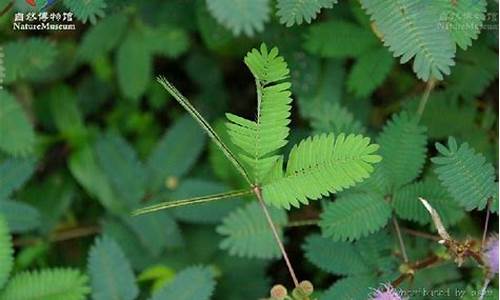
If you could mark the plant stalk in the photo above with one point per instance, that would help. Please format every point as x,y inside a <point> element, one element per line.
<point>485,230</point>
<point>400,239</point>
<point>425,97</point>
<point>258,194</point>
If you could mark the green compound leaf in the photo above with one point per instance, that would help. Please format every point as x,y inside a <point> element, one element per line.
<point>352,288</point>
<point>133,61</point>
<point>2,66</point>
<point>166,40</point>
<point>110,272</point>
<point>296,11</point>
<point>247,233</point>
<point>103,37</point>
<point>26,58</point>
<point>191,283</point>
<point>20,216</point>
<point>465,174</point>
<point>334,257</point>
<point>88,10</point>
<point>319,166</point>
<point>411,29</point>
<point>369,72</point>
<point>184,139</point>
<point>53,284</point>
<point>259,140</point>
<point>354,215</point>
<point>408,207</point>
<point>339,39</point>
<point>403,147</point>
<point>14,172</point>
<point>17,136</point>
<point>463,19</point>
<point>6,251</point>
<point>242,16</point>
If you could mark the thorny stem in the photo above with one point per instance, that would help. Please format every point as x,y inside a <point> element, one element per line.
<point>258,194</point>
<point>425,97</point>
<point>400,239</point>
<point>485,230</point>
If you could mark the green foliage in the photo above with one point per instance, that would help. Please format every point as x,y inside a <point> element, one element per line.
<point>53,284</point>
<point>259,139</point>
<point>28,57</point>
<point>463,19</point>
<point>296,11</point>
<point>411,29</point>
<point>88,10</point>
<point>405,160</point>
<point>16,132</point>
<point>355,288</point>
<point>6,252</point>
<point>354,215</point>
<point>110,272</point>
<point>184,139</point>
<point>14,173</point>
<point>247,17</point>
<point>133,61</point>
<point>20,216</point>
<point>337,119</point>
<point>103,37</point>
<point>408,207</point>
<point>191,283</point>
<point>369,71</point>
<point>247,233</point>
<point>465,174</point>
<point>338,39</point>
<point>318,166</point>
<point>122,167</point>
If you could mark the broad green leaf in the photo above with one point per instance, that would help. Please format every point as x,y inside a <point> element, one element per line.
<point>20,216</point>
<point>191,283</point>
<point>14,172</point>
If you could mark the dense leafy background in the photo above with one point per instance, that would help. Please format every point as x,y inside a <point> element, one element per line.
<point>87,135</point>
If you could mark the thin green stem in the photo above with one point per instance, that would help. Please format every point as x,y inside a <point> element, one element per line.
<point>190,201</point>
<point>206,126</point>
<point>486,223</point>
<point>258,194</point>
<point>425,97</point>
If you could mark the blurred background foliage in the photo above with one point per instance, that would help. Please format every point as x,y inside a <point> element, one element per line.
<point>87,135</point>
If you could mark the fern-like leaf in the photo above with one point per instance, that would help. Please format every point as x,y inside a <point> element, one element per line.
<point>465,173</point>
<point>6,252</point>
<point>191,283</point>
<point>411,29</point>
<point>354,215</point>
<point>14,173</point>
<point>403,144</point>
<point>2,67</point>
<point>247,233</point>
<point>369,72</point>
<point>318,166</point>
<point>463,19</point>
<point>50,284</point>
<point>352,288</point>
<point>247,16</point>
<point>88,10</point>
<point>334,257</point>
<point>408,207</point>
<point>336,119</point>
<point>17,136</point>
<point>258,140</point>
<point>296,11</point>
<point>20,216</point>
<point>110,272</point>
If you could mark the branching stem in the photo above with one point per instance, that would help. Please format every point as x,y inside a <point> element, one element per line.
<point>258,194</point>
